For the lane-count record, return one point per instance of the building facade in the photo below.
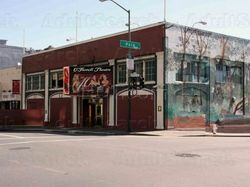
(44, 78)
(10, 76)
(10, 56)
(207, 77)
(192, 78)
(10, 88)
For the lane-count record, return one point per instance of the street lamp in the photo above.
(129, 58)
(128, 11)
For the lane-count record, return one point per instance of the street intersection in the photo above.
(175, 159)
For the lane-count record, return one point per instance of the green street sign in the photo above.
(130, 44)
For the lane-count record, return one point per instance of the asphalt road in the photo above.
(47, 160)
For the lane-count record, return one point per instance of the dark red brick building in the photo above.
(43, 82)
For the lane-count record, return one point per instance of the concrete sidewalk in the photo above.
(189, 133)
(70, 131)
(112, 132)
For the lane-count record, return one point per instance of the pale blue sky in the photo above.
(51, 22)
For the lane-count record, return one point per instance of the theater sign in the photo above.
(87, 80)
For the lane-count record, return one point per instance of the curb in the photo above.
(169, 133)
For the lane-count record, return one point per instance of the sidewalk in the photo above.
(112, 132)
(189, 133)
(69, 131)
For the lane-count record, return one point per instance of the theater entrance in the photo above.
(92, 112)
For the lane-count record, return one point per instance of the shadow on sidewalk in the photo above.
(75, 132)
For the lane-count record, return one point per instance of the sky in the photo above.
(39, 23)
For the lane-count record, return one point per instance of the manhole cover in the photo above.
(187, 155)
(19, 148)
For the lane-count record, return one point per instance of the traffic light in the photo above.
(134, 80)
(141, 80)
(132, 83)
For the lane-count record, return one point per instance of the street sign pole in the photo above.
(127, 45)
(129, 72)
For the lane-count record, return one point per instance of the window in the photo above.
(150, 68)
(145, 68)
(53, 80)
(56, 80)
(28, 83)
(234, 74)
(220, 73)
(193, 69)
(228, 73)
(42, 82)
(35, 82)
(122, 74)
(60, 79)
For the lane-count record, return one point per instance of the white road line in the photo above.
(10, 135)
(52, 170)
(40, 137)
(60, 140)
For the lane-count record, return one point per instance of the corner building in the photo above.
(192, 78)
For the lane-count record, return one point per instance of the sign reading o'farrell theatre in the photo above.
(87, 80)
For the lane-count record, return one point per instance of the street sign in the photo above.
(130, 44)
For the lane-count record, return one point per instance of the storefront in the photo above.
(92, 85)
(85, 85)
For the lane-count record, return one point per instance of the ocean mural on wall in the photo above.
(207, 74)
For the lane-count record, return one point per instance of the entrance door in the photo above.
(99, 114)
(92, 113)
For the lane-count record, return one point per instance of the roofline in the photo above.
(207, 31)
(12, 47)
(97, 38)
(10, 67)
(132, 30)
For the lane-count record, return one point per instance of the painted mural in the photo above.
(207, 74)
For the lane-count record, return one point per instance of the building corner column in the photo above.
(23, 84)
(46, 98)
(160, 92)
(111, 112)
(74, 111)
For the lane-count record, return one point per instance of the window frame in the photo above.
(118, 73)
(154, 70)
(190, 73)
(31, 84)
(56, 72)
(137, 60)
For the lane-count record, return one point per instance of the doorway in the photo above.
(92, 113)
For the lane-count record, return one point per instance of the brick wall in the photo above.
(21, 117)
(189, 122)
